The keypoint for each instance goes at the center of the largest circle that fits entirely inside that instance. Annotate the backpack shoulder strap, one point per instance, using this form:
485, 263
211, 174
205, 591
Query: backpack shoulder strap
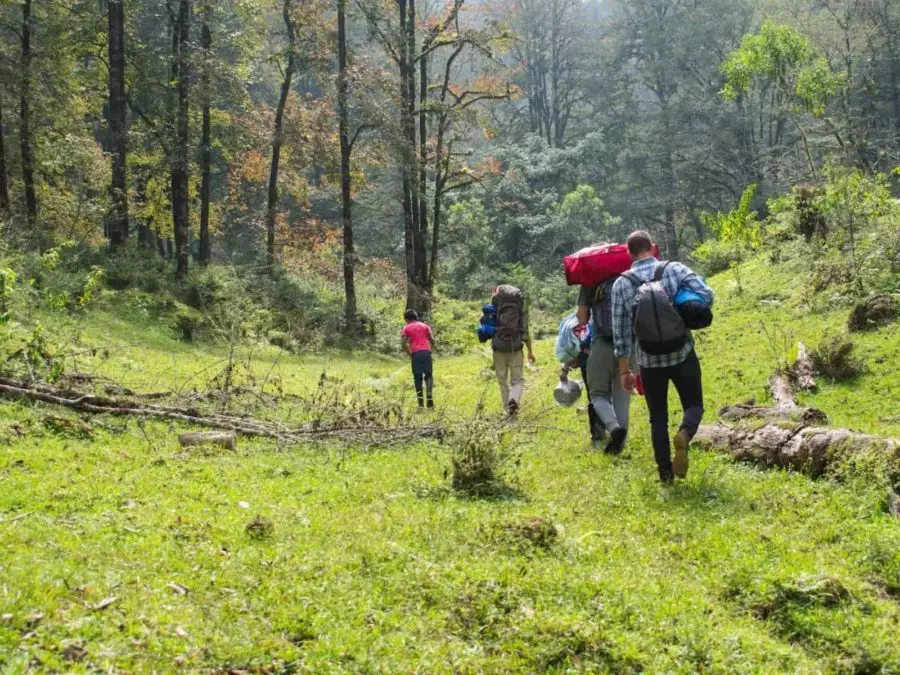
633, 278
660, 270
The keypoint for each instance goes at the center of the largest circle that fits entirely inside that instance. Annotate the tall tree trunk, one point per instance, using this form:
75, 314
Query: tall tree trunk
205, 142
4, 177
408, 221
180, 161
25, 119
346, 184
277, 138
416, 282
424, 277
117, 229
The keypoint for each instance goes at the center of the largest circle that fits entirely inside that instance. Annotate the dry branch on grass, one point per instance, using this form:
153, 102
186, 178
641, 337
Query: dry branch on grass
366, 430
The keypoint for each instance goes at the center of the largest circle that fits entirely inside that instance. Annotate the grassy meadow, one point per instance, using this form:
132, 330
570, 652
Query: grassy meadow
121, 552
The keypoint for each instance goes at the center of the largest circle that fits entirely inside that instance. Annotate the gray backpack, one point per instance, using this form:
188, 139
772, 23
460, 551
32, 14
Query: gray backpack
510, 304
658, 327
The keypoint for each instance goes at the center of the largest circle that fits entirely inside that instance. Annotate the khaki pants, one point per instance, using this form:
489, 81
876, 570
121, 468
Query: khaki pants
509, 368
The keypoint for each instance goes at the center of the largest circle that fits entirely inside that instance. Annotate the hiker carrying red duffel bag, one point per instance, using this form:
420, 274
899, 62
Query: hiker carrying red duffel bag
595, 264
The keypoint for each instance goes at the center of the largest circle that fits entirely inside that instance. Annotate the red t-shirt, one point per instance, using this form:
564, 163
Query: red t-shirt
418, 335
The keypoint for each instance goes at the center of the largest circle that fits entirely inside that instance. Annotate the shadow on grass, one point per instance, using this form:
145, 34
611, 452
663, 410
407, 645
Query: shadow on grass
497, 491
701, 492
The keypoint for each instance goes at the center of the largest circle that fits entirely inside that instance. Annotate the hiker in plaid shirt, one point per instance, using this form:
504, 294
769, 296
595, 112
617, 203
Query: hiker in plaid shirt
681, 367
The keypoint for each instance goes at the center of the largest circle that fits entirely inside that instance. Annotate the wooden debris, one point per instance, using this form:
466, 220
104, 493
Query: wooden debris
785, 408
223, 439
794, 446
363, 430
802, 370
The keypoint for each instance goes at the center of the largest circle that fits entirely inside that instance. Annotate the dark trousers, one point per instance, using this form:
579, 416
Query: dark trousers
596, 426
423, 372
688, 383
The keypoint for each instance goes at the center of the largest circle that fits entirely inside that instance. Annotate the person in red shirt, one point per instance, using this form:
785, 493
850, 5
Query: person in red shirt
419, 341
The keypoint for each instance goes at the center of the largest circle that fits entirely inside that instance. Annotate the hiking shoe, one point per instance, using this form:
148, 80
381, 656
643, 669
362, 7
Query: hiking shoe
680, 460
598, 442
616, 441
512, 408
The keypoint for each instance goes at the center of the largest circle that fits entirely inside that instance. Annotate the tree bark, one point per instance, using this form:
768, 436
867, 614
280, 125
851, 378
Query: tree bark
346, 178
809, 450
117, 229
180, 161
205, 141
802, 371
277, 139
408, 223
25, 119
4, 176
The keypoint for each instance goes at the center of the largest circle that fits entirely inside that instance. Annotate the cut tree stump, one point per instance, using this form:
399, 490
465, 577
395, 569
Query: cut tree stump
223, 439
791, 445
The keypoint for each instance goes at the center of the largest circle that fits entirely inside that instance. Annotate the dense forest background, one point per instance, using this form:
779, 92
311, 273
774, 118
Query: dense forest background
436, 147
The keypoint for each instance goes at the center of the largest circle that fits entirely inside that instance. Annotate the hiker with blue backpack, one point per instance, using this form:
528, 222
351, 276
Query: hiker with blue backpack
654, 307
504, 322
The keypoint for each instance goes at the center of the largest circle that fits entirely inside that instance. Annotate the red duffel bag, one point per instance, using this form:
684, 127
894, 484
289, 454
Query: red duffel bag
595, 264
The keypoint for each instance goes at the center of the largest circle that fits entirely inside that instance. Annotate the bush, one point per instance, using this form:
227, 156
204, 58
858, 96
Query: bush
478, 455
714, 257
833, 358
873, 312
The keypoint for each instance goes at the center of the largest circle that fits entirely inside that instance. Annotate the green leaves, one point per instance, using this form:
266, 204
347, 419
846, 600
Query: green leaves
781, 57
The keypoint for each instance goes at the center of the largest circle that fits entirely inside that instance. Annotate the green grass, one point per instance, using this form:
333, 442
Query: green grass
375, 565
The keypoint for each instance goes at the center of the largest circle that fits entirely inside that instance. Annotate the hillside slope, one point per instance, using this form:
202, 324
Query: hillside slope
124, 552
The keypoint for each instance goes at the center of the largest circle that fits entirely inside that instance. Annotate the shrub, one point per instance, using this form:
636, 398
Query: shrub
478, 455
833, 358
873, 312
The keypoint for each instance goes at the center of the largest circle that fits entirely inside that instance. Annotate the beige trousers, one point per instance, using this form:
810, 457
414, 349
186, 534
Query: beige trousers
509, 368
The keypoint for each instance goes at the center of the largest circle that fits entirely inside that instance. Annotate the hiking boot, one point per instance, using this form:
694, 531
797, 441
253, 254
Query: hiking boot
598, 442
512, 408
680, 461
616, 441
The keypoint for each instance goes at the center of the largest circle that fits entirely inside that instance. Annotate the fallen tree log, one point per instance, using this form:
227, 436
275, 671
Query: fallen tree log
802, 371
785, 408
362, 431
793, 446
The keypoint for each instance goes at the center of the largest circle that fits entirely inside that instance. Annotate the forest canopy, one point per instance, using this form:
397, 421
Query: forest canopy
456, 142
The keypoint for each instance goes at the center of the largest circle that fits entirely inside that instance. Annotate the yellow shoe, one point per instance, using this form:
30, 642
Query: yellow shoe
680, 460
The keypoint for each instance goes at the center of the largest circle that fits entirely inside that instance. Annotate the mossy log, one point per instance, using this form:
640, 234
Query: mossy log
792, 445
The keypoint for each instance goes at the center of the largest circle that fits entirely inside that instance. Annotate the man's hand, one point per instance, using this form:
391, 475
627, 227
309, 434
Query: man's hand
629, 380
531, 358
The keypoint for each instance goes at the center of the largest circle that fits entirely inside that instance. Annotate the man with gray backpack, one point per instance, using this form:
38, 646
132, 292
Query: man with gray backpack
510, 338
647, 324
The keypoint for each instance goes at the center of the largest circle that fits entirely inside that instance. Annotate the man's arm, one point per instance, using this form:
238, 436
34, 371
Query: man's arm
431, 338
526, 331
584, 306
623, 337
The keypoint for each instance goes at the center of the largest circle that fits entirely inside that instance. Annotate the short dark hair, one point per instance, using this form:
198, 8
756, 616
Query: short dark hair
411, 315
639, 242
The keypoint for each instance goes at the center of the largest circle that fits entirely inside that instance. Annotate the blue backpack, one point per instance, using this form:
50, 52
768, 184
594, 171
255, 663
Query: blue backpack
487, 329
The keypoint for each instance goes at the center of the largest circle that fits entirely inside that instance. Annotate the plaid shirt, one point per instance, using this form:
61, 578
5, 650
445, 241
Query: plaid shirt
675, 277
